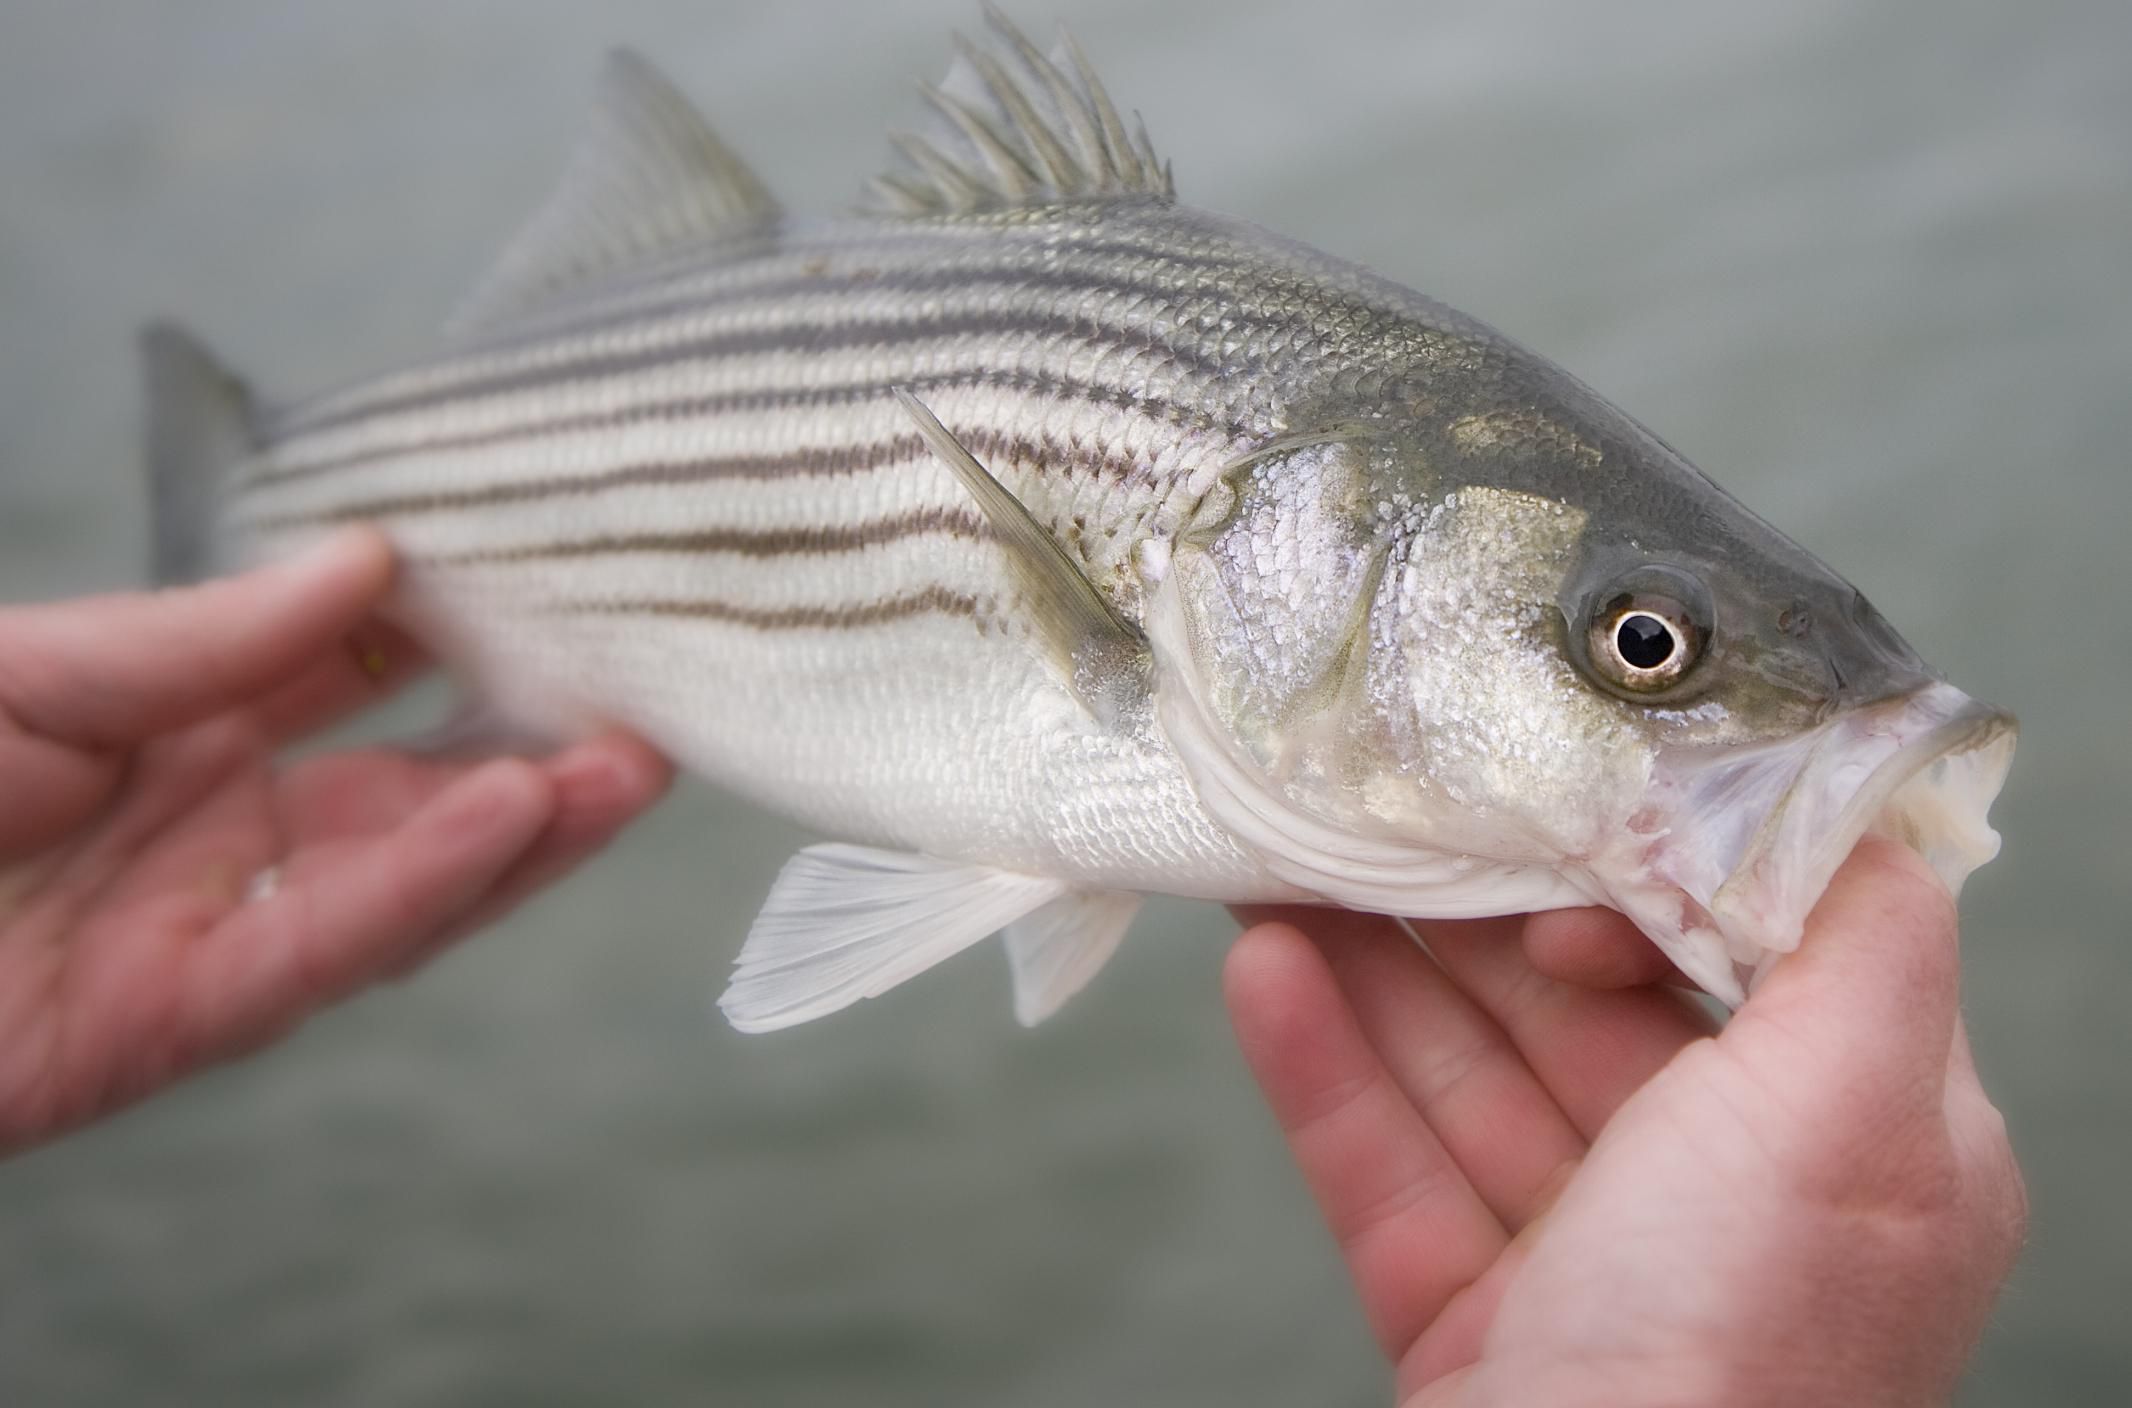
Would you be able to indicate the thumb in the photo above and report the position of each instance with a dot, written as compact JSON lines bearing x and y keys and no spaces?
{"x":1873,"y":989}
{"x":108,"y":671}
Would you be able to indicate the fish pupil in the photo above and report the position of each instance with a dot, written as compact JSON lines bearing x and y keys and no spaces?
{"x":1644,"y":641}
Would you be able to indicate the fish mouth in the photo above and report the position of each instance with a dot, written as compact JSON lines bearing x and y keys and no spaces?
{"x":1746,"y":840}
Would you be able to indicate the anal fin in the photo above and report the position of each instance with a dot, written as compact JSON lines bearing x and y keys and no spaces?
{"x":849,"y":922}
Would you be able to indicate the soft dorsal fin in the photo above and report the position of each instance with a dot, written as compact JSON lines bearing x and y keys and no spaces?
{"x":649,"y":178}
{"x":202,"y":425}
{"x":1010,"y":126}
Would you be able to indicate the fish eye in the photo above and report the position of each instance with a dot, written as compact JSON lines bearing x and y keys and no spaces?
{"x":1644,"y":642}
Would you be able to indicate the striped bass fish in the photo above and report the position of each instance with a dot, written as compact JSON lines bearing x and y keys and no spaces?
{"x":1054,"y":544}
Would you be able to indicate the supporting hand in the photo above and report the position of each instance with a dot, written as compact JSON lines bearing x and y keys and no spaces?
{"x":1572,"y":1192}
{"x":171,"y":895}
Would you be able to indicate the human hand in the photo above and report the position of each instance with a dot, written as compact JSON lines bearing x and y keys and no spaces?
{"x":141,"y":802}
{"x":1553,"y":1185}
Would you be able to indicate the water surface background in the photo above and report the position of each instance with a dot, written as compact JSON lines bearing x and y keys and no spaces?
{"x":1868,"y":263}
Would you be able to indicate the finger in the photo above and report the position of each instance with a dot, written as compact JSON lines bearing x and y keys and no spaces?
{"x":1412,"y":1228}
{"x":110,"y":671}
{"x":601,"y":786}
{"x":162,"y":781}
{"x":1448,"y":1391}
{"x":51,"y":789}
{"x":1594,"y":948}
{"x":191,"y":875}
{"x":1455,"y":1339}
{"x":363,"y":669}
{"x":1961,"y":1058}
{"x":1871,"y":994}
{"x":207,"y":812}
{"x":1987,"y":1153}
{"x":1975,"y":1120}
{"x":1453,"y":1063}
{"x":355,"y":910}
{"x":1590,"y":1048}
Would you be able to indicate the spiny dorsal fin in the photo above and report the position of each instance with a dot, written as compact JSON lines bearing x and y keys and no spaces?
{"x":1092,"y":646}
{"x":648,"y":178}
{"x":1010,"y":126}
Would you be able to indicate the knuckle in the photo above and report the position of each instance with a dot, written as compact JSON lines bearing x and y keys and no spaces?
{"x":28,"y":671}
{"x":2009,"y":1194}
{"x":1322,"y":1105}
{"x":1354,"y":1228}
{"x":1448,"y":1070}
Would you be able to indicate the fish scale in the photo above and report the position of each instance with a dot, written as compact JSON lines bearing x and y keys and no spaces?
{"x":1054,"y":543}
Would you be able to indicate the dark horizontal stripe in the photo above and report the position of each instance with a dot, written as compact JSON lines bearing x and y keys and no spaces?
{"x":801,"y":398}
{"x":851,"y":276}
{"x":932,"y":600}
{"x":819,"y":460}
{"x":768,"y":542}
{"x":854,"y":276}
{"x":854,"y":459}
{"x":1060,"y":320}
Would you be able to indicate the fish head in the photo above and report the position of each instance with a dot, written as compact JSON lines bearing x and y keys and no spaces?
{"x":1534,"y":647}
{"x":1780,"y":717}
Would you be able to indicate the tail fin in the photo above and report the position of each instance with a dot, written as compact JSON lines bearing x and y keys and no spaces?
{"x":200,"y":427}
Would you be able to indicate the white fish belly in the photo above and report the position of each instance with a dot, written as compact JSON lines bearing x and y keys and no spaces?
{"x":840,"y":648}
{"x":928,"y":733}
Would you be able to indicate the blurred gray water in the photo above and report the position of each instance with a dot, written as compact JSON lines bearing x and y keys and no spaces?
{"x":1869,"y":264}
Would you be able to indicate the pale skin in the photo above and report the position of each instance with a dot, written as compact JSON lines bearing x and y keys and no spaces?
{"x":173,"y":894}
{"x":1552,"y":1183}
{"x":1555,"y":1182}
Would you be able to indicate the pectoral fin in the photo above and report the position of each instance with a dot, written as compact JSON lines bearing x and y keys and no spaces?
{"x":848,"y":922}
{"x":1090,"y":644}
{"x":1057,"y":949}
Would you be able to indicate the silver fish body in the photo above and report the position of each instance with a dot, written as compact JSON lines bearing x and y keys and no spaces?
{"x":693,"y":506}
{"x":729,"y":479}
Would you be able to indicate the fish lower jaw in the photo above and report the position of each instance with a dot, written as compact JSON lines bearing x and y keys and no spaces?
{"x":1749,"y":842}
{"x":1687,"y":933}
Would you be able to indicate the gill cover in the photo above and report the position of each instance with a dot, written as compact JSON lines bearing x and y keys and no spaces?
{"x":1262,"y":622}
